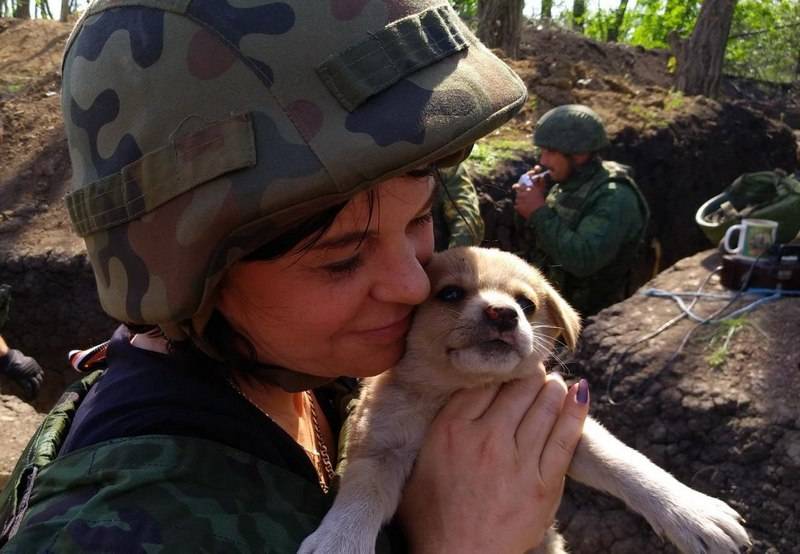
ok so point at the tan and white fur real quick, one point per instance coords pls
(457, 342)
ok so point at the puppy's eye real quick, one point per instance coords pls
(450, 293)
(528, 307)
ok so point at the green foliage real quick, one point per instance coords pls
(467, 9)
(650, 116)
(11, 87)
(720, 340)
(597, 24)
(764, 42)
(674, 100)
(651, 21)
(489, 151)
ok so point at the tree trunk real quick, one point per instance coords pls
(619, 17)
(578, 13)
(547, 9)
(499, 24)
(43, 9)
(22, 10)
(797, 68)
(700, 60)
(64, 11)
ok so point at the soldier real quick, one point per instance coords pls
(584, 221)
(24, 370)
(457, 213)
(254, 184)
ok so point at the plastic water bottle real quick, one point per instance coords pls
(530, 182)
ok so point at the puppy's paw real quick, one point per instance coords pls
(700, 524)
(330, 540)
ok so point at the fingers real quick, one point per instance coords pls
(537, 424)
(566, 434)
(513, 401)
(469, 403)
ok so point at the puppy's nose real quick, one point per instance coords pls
(505, 319)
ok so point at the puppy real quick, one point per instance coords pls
(492, 318)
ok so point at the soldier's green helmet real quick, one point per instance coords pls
(570, 129)
(201, 129)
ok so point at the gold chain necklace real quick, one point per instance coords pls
(327, 475)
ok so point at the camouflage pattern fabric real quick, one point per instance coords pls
(153, 493)
(457, 213)
(588, 236)
(5, 304)
(214, 126)
(40, 451)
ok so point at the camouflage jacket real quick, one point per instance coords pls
(457, 213)
(176, 491)
(588, 236)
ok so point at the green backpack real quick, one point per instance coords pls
(770, 195)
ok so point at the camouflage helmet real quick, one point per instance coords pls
(570, 129)
(200, 129)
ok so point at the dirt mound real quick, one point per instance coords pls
(35, 168)
(723, 420)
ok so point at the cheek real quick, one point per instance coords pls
(424, 246)
(324, 311)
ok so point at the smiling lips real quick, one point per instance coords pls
(389, 333)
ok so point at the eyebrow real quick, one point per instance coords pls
(357, 237)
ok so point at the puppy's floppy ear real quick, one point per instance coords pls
(564, 315)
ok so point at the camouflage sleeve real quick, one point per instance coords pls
(461, 209)
(613, 218)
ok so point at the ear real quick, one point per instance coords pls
(564, 316)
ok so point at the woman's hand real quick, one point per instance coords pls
(490, 475)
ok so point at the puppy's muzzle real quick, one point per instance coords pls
(501, 318)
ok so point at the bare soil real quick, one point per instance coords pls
(724, 421)
(730, 429)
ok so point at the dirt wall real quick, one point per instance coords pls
(55, 309)
(730, 429)
(678, 166)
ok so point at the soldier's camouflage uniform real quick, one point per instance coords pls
(457, 213)
(198, 131)
(589, 234)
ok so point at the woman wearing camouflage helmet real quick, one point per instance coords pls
(254, 188)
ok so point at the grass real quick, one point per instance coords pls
(674, 100)
(722, 337)
(491, 150)
(11, 88)
(656, 117)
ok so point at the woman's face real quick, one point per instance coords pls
(344, 306)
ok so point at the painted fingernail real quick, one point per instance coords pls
(583, 392)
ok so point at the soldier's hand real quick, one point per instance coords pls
(24, 370)
(528, 199)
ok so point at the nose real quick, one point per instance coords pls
(503, 318)
(403, 279)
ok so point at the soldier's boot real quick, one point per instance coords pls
(24, 370)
